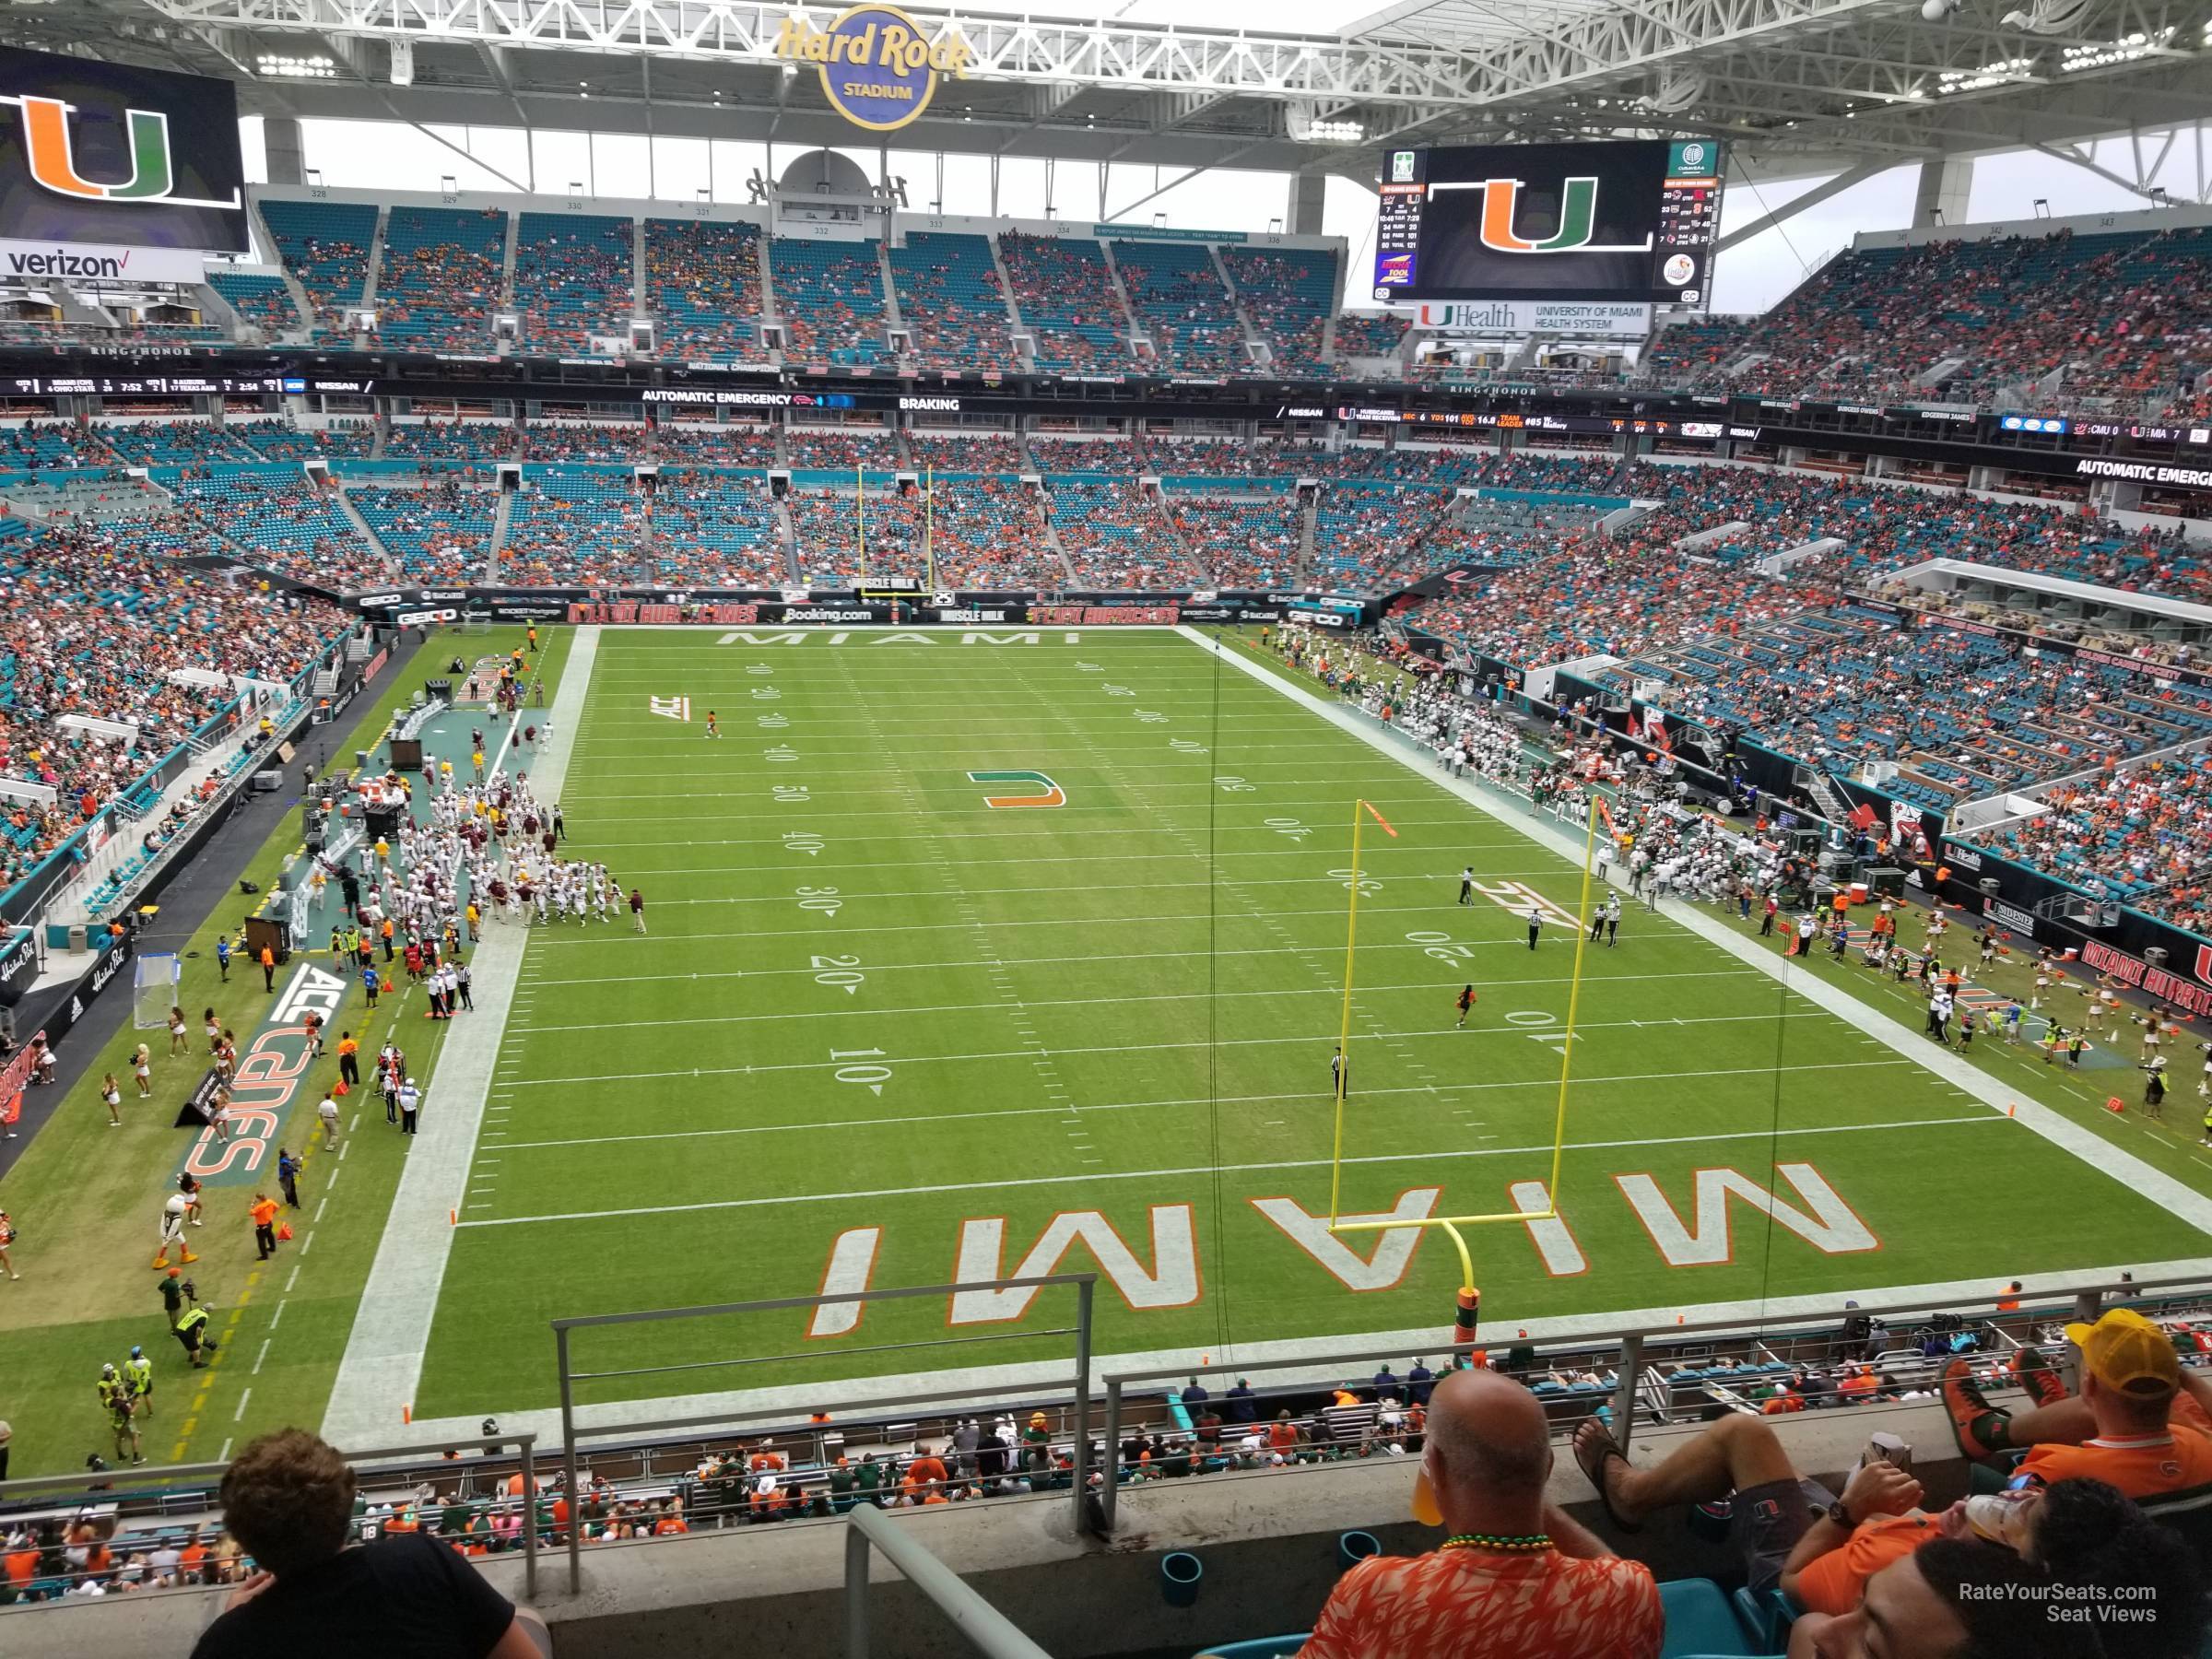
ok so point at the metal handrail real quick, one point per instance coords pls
(988, 1630)
(2086, 1301)
(120, 1484)
(1084, 1285)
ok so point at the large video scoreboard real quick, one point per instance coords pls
(1630, 221)
(99, 158)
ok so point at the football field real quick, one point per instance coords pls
(1009, 953)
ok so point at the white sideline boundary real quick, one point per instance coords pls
(2100, 1154)
(382, 1363)
(402, 1361)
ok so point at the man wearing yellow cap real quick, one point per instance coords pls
(2137, 1423)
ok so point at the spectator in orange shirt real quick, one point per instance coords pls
(2138, 1424)
(1517, 1576)
(672, 1520)
(927, 1467)
(264, 1225)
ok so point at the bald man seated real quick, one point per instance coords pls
(1515, 1577)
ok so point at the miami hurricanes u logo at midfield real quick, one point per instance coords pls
(47, 147)
(1044, 791)
(1578, 219)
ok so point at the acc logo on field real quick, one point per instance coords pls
(878, 68)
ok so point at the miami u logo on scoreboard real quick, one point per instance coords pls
(48, 148)
(1041, 791)
(1578, 219)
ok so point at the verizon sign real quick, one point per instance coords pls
(65, 261)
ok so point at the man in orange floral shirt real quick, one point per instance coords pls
(1515, 1577)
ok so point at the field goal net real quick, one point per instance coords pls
(475, 622)
(155, 978)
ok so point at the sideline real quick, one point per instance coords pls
(382, 1362)
(2100, 1154)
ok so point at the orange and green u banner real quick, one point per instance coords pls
(1044, 793)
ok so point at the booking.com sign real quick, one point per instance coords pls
(878, 68)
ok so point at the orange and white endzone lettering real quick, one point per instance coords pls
(1172, 1281)
(1174, 1278)
(1386, 1261)
(1709, 1240)
(852, 1265)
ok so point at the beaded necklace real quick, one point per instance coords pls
(1511, 1543)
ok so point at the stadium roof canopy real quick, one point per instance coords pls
(1797, 86)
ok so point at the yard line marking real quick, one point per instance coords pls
(1434, 987)
(355, 1123)
(1337, 915)
(318, 1209)
(224, 1455)
(344, 1148)
(1053, 890)
(1125, 1048)
(1307, 1163)
(293, 1280)
(239, 1416)
(1733, 972)
(260, 1356)
(309, 1242)
(996, 861)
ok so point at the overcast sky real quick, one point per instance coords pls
(1752, 276)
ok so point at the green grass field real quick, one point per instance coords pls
(881, 1023)
(1123, 1005)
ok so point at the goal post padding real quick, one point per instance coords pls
(154, 981)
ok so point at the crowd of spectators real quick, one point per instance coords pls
(274, 439)
(573, 282)
(277, 519)
(1113, 456)
(703, 445)
(1286, 292)
(702, 282)
(829, 301)
(1179, 304)
(981, 454)
(715, 528)
(990, 533)
(1116, 537)
(837, 539)
(574, 525)
(2123, 314)
(2142, 834)
(453, 442)
(439, 279)
(261, 303)
(93, 621)
(1369, 334)
(1064, 293)
(326, 246)
(1242, 541)
(594, 441)
(843, 452)
(441, 531)
(951, 302)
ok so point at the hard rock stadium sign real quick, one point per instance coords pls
(880, 68)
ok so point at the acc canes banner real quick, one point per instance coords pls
(269, 1077)
(98, 159)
